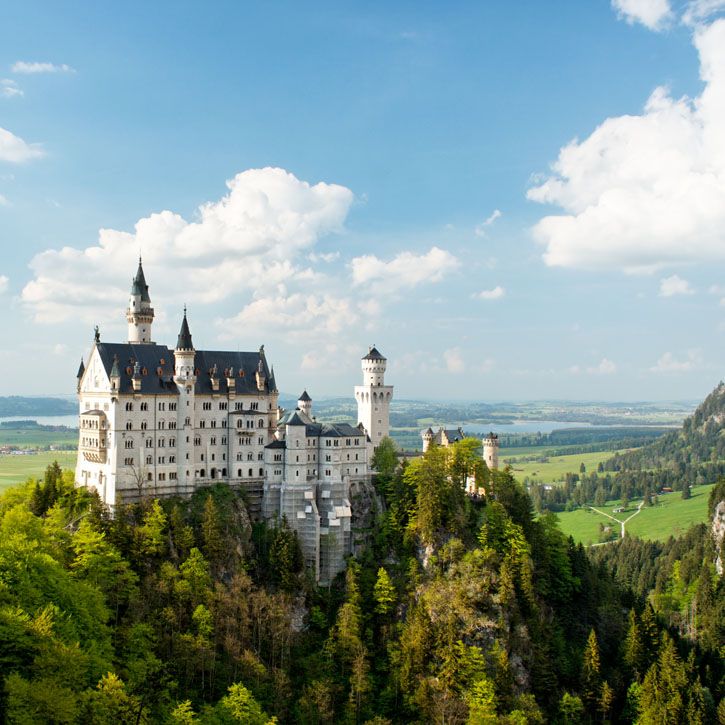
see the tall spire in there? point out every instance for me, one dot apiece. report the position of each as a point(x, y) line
point(140, 314)
point(139, 286)
point(184, 341)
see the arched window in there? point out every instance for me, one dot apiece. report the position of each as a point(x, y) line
point(224, 472)
point(260, 424)
point(251, 473)
point(202, 473)
point(213, 472)
point(261, 471)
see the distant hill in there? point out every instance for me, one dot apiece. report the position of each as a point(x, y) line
point(20, 405)
point(699, 444)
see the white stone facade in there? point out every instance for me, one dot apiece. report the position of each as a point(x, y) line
point(156, 421)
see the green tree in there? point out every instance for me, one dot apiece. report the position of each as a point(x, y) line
point(212, 534)
point(239, 706)
point(571, 709)
point(384, 593)
point(662, 697)
point(633, 648)
point(591, 673)
point(385, 457)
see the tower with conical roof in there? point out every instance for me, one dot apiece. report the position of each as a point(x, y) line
point(140, 314)
point(185, 379)
point(374, 396)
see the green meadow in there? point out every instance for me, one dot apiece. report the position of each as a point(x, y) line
point(671, 516)
point(16, 469)
point(555, 468)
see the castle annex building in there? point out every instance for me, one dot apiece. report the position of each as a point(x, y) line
point(161, 421)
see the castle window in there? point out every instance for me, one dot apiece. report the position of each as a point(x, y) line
point(129, 406)
point(240, 457)
point(150, 477)
point(357, 441)
point(172, 459)
point(347, 441)
point(251, 472)
point(197, 441)
point(260, 440)
point(202, 456)
point(172, 425)
point(172, 406)
point(328, 459)
point(254, 406)
point(261, 472)
point(129, 444)
point(144, 406)
point(328, 442)
point(144, 425)
point(239, 472)
point(239, 406)
point(213, 424)
point(149, 443)
point(260, 424)
point(222, 405)
point(161, 425)
point(250, 456)
point(202, 473)
point(149, 460)
point(172, 442)
point(356, 456)
point(162, 406)
point(160, 443)
point(335, 443)
point(239, 422)
point(162, 460)
point(202, 424)
point(224, 472)
point(224, 440)
point(128, 461)
point(129, 425)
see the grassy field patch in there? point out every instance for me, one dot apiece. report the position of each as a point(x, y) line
point(555, 468)
point(16, 469)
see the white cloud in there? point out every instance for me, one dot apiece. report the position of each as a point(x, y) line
point(250, 240)
point(454, 360)
point(14, 150)
point(9, 88)
point(480, 230)
point(26, 67)
point(489, 294)
point(405, 270)
point(60, 349)
point(653, 14)
point(697, 11)
point(320, 257)
point(668, 363)
point(4, 201)
point(647, 191)
point(3, 284)
point(674, 285)
point(605, 367)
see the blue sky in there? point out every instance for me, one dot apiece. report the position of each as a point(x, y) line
point(318, 178)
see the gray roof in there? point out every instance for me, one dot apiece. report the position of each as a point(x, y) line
point(184, 342)
point(295, 419)
point(315, 429)
point(139, 286)
point(276, 444)
point(157, 377)
point(374, 354)
point(304, 398)
point(81, 370)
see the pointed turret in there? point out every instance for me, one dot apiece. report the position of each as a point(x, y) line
point(81, 369)
point(139, 313)
point(272, 381)
point(304, 403)
point(184, 340)
point(115, 375)
point(184, 355)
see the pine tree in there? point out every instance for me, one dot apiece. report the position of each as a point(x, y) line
point(591, 673)
point(211, 532)
point(384, 593)
point(606, 698)
point(633, 653)
point(662, 695)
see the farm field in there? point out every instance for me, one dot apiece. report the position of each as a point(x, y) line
point(15, 469)
point(37, 437)
point(671, 516)
point(554, 470)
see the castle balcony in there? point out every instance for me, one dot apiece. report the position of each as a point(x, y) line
point(93, 436)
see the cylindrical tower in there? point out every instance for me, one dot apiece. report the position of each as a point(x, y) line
point(490, 450)
point(139, 314)
point(427, 436)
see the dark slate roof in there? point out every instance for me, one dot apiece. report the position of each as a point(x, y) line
point(139, 286)
point(276, 444)
point(295, 419)
point(81, 370)
point(454, 435)
point(304, 398)
point(158, 377)
point(184, 340)
point(115, 369)
point(374, 354)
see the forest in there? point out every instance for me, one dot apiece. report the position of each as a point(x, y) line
point(458, 610)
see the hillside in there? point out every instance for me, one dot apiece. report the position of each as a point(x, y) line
point(15, 405)
point(699, 444)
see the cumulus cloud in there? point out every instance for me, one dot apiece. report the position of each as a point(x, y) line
point(3, 284)
point(251, 239)
point(9, 88)
point(605, 367)
point(644, 192)
point(405, 270)
point(454, 360)
point(16, 151)
point(30, 68)
point(489, 294)
point(668, 363)
point(480, 230)
point(4, 201)
point(674, 285)
point(653, 14)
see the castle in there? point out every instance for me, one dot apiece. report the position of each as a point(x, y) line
point(165, 422)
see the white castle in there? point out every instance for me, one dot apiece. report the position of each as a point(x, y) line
point(156, 421)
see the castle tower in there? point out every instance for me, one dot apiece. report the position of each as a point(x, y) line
point(427, 436)
point(139, 314)
point(373, 397)
point(490, 451)
point(304, 403)
point(185, 379)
